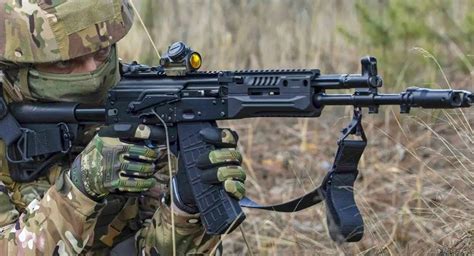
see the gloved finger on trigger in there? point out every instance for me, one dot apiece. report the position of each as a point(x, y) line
point(220, 137)
point(235, 188)
point(219, 157)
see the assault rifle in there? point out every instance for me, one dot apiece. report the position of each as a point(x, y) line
point(176, 102)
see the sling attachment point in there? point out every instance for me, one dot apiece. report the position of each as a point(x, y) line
point(37, 149)
point(27, 143)
point(31, 150)
point(344, 220)
point(40, 142)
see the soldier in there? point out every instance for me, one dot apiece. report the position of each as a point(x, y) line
point(65, 50)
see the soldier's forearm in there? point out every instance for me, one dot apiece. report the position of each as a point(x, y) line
point(63, 221)
point(190, 236)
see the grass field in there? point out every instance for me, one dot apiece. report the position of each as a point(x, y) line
point(416, 185)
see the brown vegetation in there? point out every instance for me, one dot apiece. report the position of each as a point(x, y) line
point(416, 187)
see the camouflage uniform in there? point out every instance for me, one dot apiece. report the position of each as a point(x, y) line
point(63, 221)
point(50, 215)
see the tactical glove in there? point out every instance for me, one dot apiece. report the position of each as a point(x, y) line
point(108, 165)
point(222, 165)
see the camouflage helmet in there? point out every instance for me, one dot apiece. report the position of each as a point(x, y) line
point(38, 31)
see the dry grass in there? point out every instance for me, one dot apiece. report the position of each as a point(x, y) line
point(416, 188)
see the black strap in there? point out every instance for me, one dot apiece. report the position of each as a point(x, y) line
point(40, 142)
point(54, 139)
point(344, 219)
point(9, 127)
point(314, 197)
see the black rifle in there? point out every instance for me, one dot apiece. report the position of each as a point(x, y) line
point(186, 101)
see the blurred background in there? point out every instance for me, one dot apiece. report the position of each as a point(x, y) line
point(416, 185)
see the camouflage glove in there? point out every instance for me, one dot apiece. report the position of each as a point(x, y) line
point(108, 165)
point(222, 165)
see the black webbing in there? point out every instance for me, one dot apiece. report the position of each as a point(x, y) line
point(47, 141)
point(9, 127)
point(314, 197)
point(344, 219)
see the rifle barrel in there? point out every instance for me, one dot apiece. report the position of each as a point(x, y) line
point(413, 97)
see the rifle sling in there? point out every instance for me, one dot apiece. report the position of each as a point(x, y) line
point(343, 217)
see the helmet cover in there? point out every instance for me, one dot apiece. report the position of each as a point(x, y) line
point(39, 31)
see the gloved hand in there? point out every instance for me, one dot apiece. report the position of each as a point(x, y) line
point(222, 165)
point(108, 165)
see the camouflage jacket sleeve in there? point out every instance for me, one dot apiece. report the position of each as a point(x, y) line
point(62, 222)
point(155, 237)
